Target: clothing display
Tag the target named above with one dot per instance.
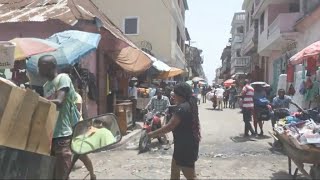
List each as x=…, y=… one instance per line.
x=290, y=74
x=282, y=83
x=298, y=97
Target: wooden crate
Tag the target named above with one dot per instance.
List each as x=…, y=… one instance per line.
x=27, y=120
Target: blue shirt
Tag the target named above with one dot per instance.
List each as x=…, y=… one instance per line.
x=281, y=103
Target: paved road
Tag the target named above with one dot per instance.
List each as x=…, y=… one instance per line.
x=223, y=154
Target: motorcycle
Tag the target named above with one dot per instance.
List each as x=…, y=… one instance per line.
x=152, y=122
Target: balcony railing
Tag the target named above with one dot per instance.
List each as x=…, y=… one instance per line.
x=283, y=23
x=250, y=39
x=240, y=61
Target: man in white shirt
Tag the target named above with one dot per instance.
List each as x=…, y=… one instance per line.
x=219, y=93
x=133, y=96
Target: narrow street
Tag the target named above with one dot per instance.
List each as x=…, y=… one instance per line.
x=224, y=154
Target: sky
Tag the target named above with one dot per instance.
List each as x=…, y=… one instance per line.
x=209, y=25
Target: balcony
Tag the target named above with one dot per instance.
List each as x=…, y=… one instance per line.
x=250, y=40
x=278, y=33
x=239, y=64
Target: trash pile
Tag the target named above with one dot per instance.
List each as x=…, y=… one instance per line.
x=303, y=132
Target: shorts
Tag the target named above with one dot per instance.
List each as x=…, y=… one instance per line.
x=62, y=151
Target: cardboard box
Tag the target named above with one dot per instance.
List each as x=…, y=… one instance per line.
x=27, y=121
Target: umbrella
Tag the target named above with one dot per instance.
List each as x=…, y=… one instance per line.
x=190, y=82
x=197, y=79
x=308, y=52
x=71, y=49
x=263, y=84
x=172, y=73
x=259, y=83
x=26, y=47
x=229, y=82
x=203, y=83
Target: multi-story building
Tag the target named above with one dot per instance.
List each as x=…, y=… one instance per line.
x=158, y=27
x=239, y=63
x=276, y=32
x=308, y=26
x=218, y=79
x=250, y=42
x=226, y=62
x=194, y=60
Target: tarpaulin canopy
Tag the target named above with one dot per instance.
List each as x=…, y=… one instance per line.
x=311, y=51
x=158, y=65
x=172, y=73
x=122, y=50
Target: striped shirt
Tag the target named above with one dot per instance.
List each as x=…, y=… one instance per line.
x=247, y=94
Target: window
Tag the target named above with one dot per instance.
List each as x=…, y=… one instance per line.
x=240, y=29
x=262, y=22
x=294, y=7
x=131, y=25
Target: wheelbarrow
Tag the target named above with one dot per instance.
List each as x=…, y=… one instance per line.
x=300, y=155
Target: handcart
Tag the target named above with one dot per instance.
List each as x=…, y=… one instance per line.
x=300, y=155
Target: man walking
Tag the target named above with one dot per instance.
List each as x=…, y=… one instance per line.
x=219, y=93
x=247, y=107
x=204, y=93
x=59, y=90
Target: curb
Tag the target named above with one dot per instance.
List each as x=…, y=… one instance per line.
x=125, y=139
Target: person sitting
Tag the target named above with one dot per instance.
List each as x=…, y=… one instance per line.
x=159, y=103
x=281, y=101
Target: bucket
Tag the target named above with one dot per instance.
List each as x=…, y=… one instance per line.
x=6, y=54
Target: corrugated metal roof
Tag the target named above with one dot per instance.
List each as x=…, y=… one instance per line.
x=68, y=11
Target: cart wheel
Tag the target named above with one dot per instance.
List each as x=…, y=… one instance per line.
x=315, y=172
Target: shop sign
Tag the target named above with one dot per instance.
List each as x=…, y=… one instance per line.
x=6, y=55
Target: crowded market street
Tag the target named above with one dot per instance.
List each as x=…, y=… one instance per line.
x=224, y=154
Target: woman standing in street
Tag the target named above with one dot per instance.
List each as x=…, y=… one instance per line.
x=186, y=132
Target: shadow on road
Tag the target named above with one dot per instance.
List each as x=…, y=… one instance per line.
x=263, y=137
x=285, y=175
x=211, y=109
x=241, y=139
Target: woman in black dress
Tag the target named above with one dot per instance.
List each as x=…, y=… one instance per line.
x=186, y=132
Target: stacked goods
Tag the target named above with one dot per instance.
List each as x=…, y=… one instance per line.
x=27, y=120
x=143, y=92
x=304, y=134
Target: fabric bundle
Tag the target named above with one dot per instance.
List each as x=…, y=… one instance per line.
x=282, y=83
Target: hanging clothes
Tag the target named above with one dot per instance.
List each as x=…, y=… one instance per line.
x=312, y=66
x=290, y=73
x=276, y=74
x=312, y=93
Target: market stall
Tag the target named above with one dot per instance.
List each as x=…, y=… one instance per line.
x=303, y=76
